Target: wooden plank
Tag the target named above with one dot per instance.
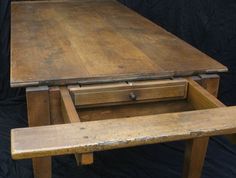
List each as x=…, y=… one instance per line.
x=68, y=109
x=39, y=115
x=201, y=98
x=196, y=149
x=55, y=106
x=58, y=43
x=132, y=92
x=70, y=116
x=119, y=133
x=211, y=83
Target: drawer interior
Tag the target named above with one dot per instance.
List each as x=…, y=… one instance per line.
x=191, y=97
x=110, y=101
x=132, y=110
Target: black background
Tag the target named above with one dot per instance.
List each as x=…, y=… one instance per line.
x=209, y=25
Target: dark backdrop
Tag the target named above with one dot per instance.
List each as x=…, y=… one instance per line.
x=209, y=25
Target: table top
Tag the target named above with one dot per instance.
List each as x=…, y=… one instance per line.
x=95, y=41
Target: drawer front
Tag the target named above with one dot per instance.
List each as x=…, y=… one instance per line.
x=88, y=96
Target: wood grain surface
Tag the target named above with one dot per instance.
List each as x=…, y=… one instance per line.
x=56, y=43
x=135, y=92
x=38, y=105
x=119, y=133
x=200, y=98
x=133, y=110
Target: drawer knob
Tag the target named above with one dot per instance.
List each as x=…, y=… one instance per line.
x=132, y=96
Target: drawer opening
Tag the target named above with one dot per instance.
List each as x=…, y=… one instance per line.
x=111, y=101
x=195, y=98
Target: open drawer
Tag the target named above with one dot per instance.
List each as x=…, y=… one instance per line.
x=172, y=110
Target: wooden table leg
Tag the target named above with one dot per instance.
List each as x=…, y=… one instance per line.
x=39, y=115
x=196, y=149
x=194, y=157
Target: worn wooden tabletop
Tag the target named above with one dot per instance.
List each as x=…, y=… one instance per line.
x=54, y=43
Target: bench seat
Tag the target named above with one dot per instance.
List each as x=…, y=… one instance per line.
x=86, y=137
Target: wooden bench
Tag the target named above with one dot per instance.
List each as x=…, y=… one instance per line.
x=119, y=133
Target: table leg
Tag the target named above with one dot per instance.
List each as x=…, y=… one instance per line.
x=196, y=148
x=194, y=157
x=39, y=115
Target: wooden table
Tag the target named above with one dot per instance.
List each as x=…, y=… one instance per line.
x=110, y=74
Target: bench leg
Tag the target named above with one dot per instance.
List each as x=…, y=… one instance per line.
x=194, y=157
x=42, y=167
x=39, y=115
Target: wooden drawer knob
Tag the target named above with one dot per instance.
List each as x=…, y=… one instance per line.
x=132, y=96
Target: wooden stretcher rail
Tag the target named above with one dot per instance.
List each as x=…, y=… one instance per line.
x=128, y=132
